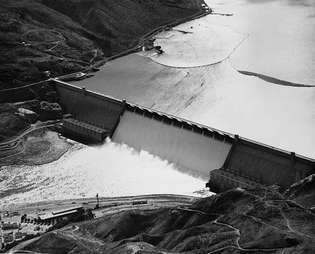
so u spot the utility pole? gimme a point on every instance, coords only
(97, 202)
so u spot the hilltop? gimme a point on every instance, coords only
(67, 36)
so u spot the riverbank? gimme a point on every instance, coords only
(103, 202)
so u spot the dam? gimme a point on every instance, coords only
(228, 160)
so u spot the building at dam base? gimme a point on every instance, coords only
(230, 160)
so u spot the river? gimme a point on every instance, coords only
(110, 170)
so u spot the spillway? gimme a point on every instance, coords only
(172, 140)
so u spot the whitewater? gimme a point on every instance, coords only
(109, 170)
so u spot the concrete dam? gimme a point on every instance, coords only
(228, 160)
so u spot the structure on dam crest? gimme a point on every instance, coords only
(232, 161)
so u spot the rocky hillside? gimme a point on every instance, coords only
(303, 192)
(237, 221)
(66, 36)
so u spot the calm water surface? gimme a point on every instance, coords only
(281, 36)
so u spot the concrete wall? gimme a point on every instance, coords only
(171, 140)
(266, 165)
(89, 107)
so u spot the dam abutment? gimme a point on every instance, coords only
(88, 110)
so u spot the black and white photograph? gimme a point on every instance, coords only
(157, 126)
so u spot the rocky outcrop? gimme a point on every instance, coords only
(303, 192)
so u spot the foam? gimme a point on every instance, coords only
(110, 170)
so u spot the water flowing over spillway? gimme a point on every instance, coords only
(192, 152)
(109, 170)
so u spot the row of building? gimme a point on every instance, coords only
(30, 226)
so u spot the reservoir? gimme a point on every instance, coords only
(272, 38)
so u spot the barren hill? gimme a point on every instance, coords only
(66, 36)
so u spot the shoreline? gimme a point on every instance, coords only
(149, 35)
(131, 50)
(198, 66)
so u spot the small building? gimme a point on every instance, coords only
(9, 225)
(54, 217)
